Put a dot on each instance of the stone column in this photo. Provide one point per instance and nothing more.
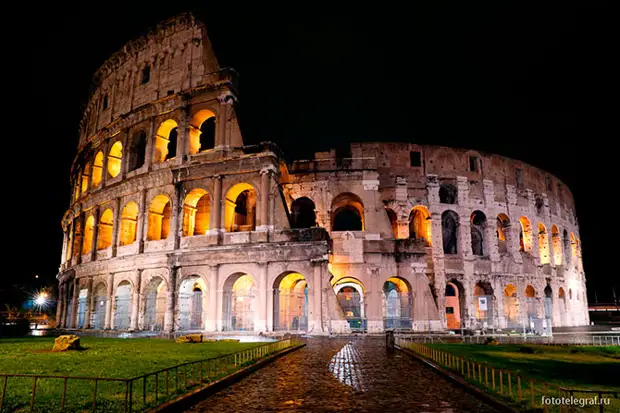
(142, 229)
(89, 303)
(215, 226)
(150, 140)
(171, 301)
(135, 302)
(373, 299)
(261, 316)
(74, 304)
(263, 221)
(464, 235)
(176, 221)
(118, 218)
(65, 240)
(314, 296)
(211, 324)
(59, 305)
(222, 124)
(93, 246)
(80, 245)
(108, 303)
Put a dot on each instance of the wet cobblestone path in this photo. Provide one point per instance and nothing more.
(343, 375)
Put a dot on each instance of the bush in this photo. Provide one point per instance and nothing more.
(529, 349)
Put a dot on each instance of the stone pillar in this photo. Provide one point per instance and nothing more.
(464, 235)
(261, 316)
(171, 301)
(373, 299)
(93, 246)
(59, 305)
(108, 304)
(462, 191)
(183, 139)
(490, 240)
(176, 221)
(211, 322)
(89, 303)
(142, 229)
(65, 240)
(80, 245)
(215, 226)
(315, 317)
(263, 221)
(74, 304)
(222, 124)
(135, 302)
(150, 140)
(118, 218)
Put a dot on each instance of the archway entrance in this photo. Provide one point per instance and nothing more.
(154, 305)
(239, 303)
(290, 302)
(397, 304)
(122, 306)
(549, 306)
(98, 314)
(191, 295)
(350, 296)
(511, 306)
(454, 305)
(82, 302)
(483, 300)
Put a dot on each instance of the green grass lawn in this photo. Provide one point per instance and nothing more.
(103, 357)
(573, 367)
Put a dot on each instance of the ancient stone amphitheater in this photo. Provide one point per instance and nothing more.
(174, 225)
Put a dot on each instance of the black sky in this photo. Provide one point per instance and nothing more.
(523, 81)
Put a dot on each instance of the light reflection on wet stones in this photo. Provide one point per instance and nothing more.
(343, 375)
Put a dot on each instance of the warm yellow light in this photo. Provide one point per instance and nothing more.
(97, 169)
(115, 158)
(194, 133)
(162, 139)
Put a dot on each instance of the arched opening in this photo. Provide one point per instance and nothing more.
(525, 235)
(159, 218)
(350, 296)
(302, 213)
(543, 244)
(154, 305)
(82, 303)
(239, 303)
(137, 150)
(397, 304)
(556, 242)
(202, 131)
(129, 224)
(77, 236)
(192, 295)
(562, 299)
(447, 194)
(97, 318)
(240, 212)
(85, 177)
(511, 306)
(503, 225)
(454, 304)
(548, 304)
(115, 159)
(196, 213)
(570, 293)
(393, 221)
(420, 225)
(69, 312)
(97, 169)
(87, 244)
(290, 303)
(483, 296)
(76, 187)
(166, 141)
(573, 244)
(106, 226)
(449, 231)
(347, 213)
(478, 223)
(530, 303)
(122, 306)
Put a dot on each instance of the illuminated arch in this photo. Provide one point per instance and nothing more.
(240, 302)
(530, 301)
(478, 224)
(290, 303)
(573, 245)
(347, 213)
(89, 227)
(393, 220)
(154, 305)
(196, 212)
(510, 305)
(350, 293)
(100, 294)
(556, 242)
(159, 218)
(483, 296)
(450, 231)
(525, 235)
(397, 304)
(115, 159)
(302, 213)
(122, 305)
(85, 177)
(97, 169)
(106, 226)
(192, 303)
(202, 131)
(166, 141)
(454, 304)
(420, 224)
(129, 224)
(543, 244)
(503, 234)
(240, 208)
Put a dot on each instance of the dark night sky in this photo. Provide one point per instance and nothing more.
(526, 82)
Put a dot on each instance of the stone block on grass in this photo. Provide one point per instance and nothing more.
(190, 338)
(67, 342)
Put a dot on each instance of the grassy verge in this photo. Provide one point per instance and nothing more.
(110, 358)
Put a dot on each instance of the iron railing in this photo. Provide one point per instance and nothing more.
(521, 390)
(103, 394)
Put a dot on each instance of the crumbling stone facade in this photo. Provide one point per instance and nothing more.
(175, 225)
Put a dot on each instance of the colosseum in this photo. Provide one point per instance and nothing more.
(175, 225)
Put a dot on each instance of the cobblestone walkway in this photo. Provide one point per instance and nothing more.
(343, 375)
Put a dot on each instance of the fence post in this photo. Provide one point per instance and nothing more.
(519, 386)
(95, 397)
(6, 378)
(156, 387)
(130, 396)
(34, 391)
(64, 395)
(144, 391)
(126, 396)
(532, 391)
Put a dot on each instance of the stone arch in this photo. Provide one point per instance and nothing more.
(556, 242)
(563, 306)
(129, 224)
(105, 230)
(122, 304)
(447, 193)
(503, 233)
(454, 304)
(420, 224)
(196, 212)
(347, 212)
(483, 296)
(478, 224)
(350, 294)
(511, 306)
(393, 220)
(89, 233)
(202, 131)
(115, 159)
(240, 302)
(548, 303)
(166, 141)
(450, 231)
(573, 244)
(154, 305)
(397, 304)
(530, 303)
(525, 235)
(543, 244)
(240, 208)
(77, 236)
(100, 299)
(85, 177)
(160, 213)
(290, 302)
(192, 295)
(137, 150)
(97, 173)
(303, 213)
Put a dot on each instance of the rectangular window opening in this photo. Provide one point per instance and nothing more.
(474, 164)
(415, 158)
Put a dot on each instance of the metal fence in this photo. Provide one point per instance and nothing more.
(523, 391)
(49, 393)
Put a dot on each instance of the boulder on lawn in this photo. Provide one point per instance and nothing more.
(190, 338)
(67, 342)
(490, 341)
(229, 340)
